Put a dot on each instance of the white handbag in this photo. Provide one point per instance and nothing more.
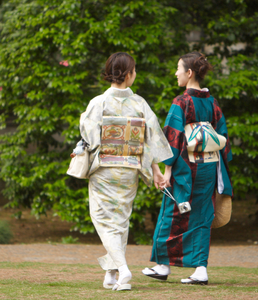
(79, 166)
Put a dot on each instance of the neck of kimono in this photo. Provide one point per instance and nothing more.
(121, 86)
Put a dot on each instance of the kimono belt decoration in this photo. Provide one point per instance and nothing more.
(122, 142)
(203, 142)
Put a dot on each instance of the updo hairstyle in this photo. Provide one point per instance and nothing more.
(197, 62)
(117, 67)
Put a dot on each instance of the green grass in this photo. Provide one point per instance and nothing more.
(64, 281)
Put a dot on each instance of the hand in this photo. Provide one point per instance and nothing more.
(158, 178)
(72, 155)
(159, 181)
(167, 176)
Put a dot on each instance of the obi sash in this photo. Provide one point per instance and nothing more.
(122, 142)
(203, 142)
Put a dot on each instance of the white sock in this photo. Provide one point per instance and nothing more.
(124, 274)
(162, 269)
(110, 277)
(200, 273)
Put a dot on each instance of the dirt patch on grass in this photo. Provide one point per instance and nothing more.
(83, 281)
(53, 274)
(241, 230)
(46, 229)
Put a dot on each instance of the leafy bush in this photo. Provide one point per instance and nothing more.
(69, 240)
(51, 57)
(5, 232)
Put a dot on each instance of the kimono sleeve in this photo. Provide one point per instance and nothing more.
(174, 131)
(91, 122)
(224, 185)
(222, 129)
(156, 147)
(155, 138)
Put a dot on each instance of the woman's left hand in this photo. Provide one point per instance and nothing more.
(158, 177)
(159, 181)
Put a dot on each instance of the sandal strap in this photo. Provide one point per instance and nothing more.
(155, 272)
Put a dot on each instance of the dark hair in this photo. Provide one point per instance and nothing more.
(118, 66)
(197, 62)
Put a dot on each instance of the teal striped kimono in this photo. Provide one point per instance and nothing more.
(184, 239)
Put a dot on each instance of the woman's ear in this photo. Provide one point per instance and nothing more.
(127, 76)
(190, 73)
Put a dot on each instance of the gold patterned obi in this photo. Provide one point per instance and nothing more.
(122, 142)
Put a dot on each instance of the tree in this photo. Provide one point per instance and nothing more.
(51, 57)
(229, 28)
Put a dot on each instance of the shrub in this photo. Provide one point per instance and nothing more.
(69, 240)
(5, 232)
(51, 56)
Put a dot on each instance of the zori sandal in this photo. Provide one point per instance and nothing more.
(108, 286)
(190, 280)
(154, 274)
(122, 287)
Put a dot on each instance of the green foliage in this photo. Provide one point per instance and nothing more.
(69, 240)
(45, 97)
(51, 57)
(5, 232)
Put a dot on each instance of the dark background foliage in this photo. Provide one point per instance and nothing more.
(43, 97)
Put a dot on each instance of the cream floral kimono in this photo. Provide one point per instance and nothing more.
(125, 138)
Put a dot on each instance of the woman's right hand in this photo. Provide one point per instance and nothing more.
(72, 155)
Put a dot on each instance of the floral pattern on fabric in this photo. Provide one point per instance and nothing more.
(120, 161)
(145, 149)
(111, 195)
(122, 141)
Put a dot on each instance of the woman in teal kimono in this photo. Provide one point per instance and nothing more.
(124, 140)
(183, 240)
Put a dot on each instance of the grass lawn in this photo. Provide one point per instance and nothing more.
(75, 282)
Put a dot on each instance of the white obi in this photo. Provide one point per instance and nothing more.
(203, 142)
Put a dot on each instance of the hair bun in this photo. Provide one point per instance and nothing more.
(198, 63)
(117, 67)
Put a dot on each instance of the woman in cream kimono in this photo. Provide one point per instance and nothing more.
(125, 139)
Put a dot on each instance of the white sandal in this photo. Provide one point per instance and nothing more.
(109, 279)
(124, 277)
(108, 286)
(122, 287)
(154, 274)
(191, 280)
